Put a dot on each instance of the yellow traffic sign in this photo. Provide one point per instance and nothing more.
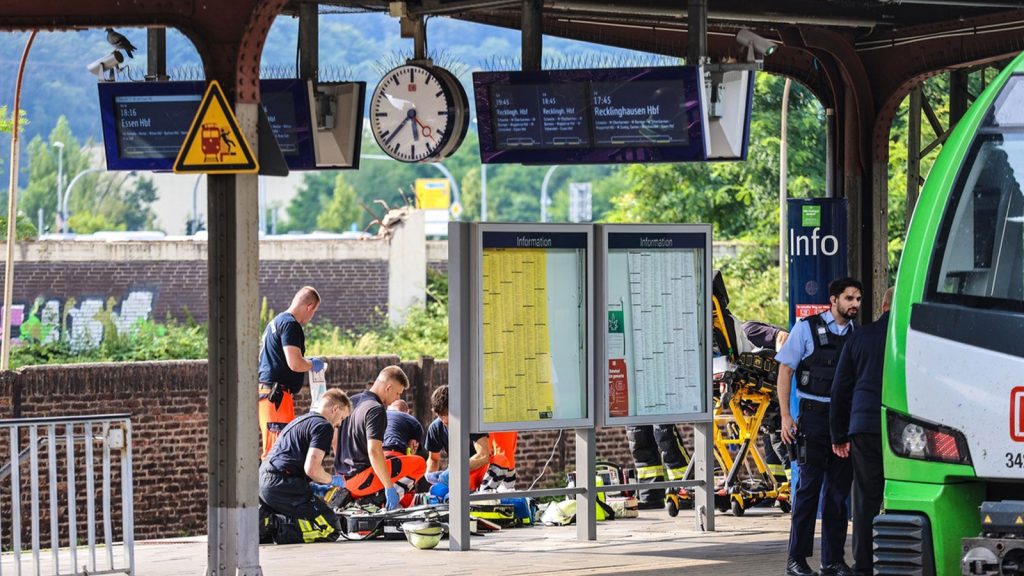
(215, 144)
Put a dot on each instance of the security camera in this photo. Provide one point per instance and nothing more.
(109, 63)
(757, 46)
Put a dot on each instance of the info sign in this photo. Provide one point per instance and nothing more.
(654, 323)
(533, 305)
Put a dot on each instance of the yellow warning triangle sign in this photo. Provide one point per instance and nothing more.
(215, 144)
(1020, 520)
(987, 520)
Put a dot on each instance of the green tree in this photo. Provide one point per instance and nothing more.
(304, 209)
(42, 166)
(740, 199)
(341, 211)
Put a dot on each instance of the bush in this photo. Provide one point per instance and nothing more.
(144, 340)
(752, 278)
(424, 333)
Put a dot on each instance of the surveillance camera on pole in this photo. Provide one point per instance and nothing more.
(757, 46)
(106, 67)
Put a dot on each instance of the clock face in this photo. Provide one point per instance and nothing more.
(415, 114)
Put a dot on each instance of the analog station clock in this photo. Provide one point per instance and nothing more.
(419, 113)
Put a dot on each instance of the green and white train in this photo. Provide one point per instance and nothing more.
(953, 397)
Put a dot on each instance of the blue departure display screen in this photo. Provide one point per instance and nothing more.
(604, 115)
(145, 123)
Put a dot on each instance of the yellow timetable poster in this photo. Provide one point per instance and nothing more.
(518, 384)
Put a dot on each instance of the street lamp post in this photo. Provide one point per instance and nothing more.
(544, 200)
(63, 207)
(60, 177)
(195, 214)
(438, 165)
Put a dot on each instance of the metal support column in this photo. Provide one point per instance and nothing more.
(704, 471)
(233, 264)
(830, 154)
(957, 96)
(156, 54)
(460, 366)
(533, 34)
(913, 153)
(309, 41)
(586, 503)
(696, 32)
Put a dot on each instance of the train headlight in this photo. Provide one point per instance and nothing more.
(920, 440)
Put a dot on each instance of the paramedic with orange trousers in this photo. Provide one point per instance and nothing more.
(282, 365)
(360, 456)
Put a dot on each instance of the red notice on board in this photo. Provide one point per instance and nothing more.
(618, 388)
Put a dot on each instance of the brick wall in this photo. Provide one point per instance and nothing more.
(167, 403)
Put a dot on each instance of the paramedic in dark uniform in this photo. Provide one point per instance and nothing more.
(769, 337)
(437, 442)
(812, 352)
(289, 511)
(404, 432)
(856, 420)
(360, 456)
(282, 366)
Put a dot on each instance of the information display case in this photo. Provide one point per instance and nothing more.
(533, 301)
(653, 323)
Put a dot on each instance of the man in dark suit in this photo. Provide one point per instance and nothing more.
(856, 423)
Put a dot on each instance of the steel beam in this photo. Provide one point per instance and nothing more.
(309, 41)
(913, 154)
(533, 34)
(156, 54)
(697, 32)
(233, 268)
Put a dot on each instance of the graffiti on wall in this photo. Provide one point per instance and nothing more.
(83, 323)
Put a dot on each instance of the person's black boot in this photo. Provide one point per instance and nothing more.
(795, 567)
(837, 568)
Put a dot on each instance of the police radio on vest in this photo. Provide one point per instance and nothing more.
(805, 245)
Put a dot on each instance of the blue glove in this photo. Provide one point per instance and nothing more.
(433, 477)
(338, 480)
(392, 498)
(318, 364)
(443, 479)
(319, 490)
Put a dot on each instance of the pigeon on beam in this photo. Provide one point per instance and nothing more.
(119, 41)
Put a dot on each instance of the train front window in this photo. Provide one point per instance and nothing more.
(980, 249)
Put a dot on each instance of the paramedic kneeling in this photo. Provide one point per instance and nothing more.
(812, 352)
(361, 459)
(289, 512)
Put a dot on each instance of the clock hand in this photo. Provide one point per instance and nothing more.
(396, 131)
(427, 131)
(415, 133)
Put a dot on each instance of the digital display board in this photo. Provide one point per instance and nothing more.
(534, 311)
(144, 123)
(655, 327)
(540, 116)
(605, 115)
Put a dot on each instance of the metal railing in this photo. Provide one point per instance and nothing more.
(100, 438)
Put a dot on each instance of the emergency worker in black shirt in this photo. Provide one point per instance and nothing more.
(404, 433)
(282, 366)
(289, 511)
(812, 352)
(368, 471)
(437, 442)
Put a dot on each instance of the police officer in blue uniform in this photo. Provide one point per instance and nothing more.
(812, 353)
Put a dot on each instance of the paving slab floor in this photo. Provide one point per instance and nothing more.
(652, 545)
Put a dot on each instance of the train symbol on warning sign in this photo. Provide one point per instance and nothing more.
(214, 139)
